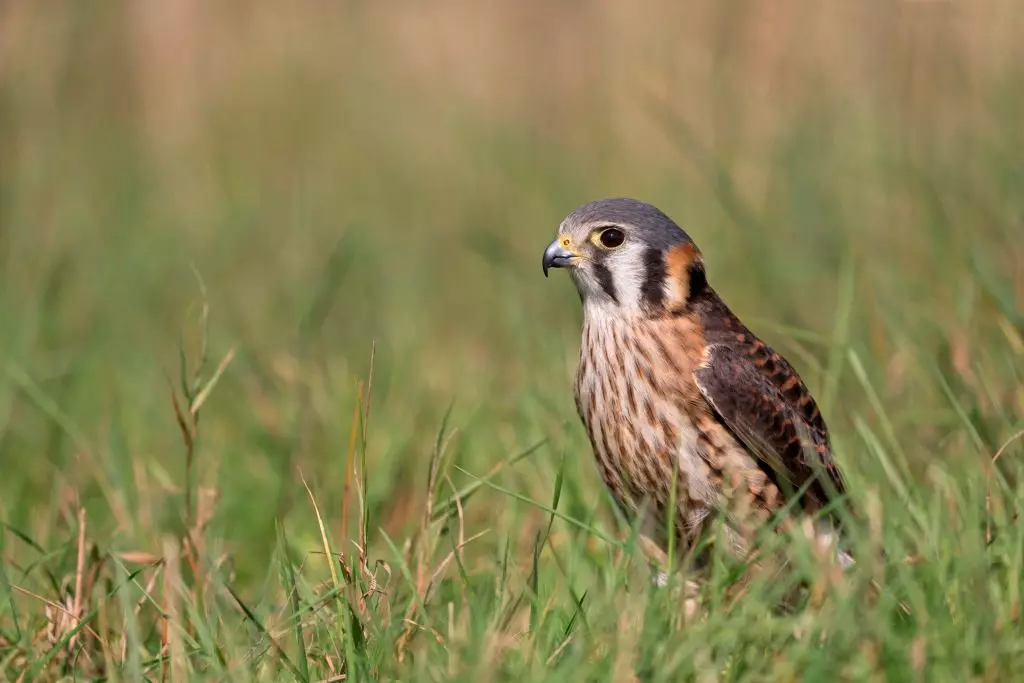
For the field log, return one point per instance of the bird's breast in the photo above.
(636, 395)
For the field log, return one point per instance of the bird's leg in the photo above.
(657, 557)
(826, 540)
(660, 564)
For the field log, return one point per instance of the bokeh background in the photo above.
(341, 175)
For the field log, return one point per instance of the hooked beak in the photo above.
(557, 256)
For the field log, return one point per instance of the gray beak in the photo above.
(557, 256)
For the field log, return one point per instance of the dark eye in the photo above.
(611, 237)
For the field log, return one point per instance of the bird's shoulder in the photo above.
(761, 398)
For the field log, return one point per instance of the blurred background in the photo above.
(332, 178)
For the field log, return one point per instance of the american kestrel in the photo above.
(669, 378)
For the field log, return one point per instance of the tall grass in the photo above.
(284, 394)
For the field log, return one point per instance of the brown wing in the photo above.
(759, 396)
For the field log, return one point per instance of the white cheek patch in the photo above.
(628, 274)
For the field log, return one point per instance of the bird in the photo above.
(672, 387)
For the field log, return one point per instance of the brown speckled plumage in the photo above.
(669, 377)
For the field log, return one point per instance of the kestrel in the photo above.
(671, 386)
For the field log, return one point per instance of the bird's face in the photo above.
(626, 257)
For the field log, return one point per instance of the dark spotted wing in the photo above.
(761, 399)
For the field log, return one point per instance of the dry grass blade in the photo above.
(143, 599)
(204, 393)
(364, 474)
(139, 557)
(988, 483)
(328, 552)
(437, 636)
(350, 462)
(79, 568)
(461, 543)
(188, 437)
(68, 611)
(173, 645)
(369, 392)
(451, 556)
(424, 540)
(40, 663)
(1002, 449)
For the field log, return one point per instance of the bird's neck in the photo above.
(605, 314)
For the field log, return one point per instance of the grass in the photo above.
(284, 394)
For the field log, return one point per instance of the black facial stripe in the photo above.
(652, 291)
(698, 278)
(604, 278)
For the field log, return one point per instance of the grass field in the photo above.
(271, 292)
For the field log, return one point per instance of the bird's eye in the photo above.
(611, 238)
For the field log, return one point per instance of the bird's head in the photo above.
(627, 258)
